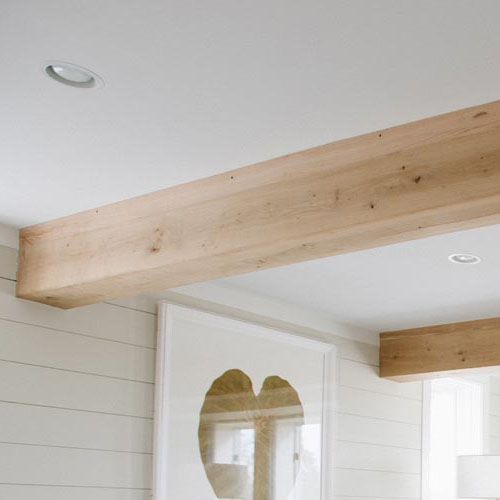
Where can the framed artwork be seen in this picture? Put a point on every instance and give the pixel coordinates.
(242, 411)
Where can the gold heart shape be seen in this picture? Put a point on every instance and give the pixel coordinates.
(248, 442)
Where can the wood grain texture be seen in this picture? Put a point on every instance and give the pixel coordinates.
(425, 178)
(424, 352)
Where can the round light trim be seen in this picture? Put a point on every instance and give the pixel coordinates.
(72, 75)
(464, 258)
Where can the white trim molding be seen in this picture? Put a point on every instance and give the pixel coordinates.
(239, 303)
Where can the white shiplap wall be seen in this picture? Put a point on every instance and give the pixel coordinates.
(379, 433)
(76, 400)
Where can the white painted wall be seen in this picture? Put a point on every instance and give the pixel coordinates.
(76, 405)
(494, 420)
(76, 399)
(9, 236)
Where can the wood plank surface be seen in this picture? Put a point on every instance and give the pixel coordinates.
(425, 178)
(421, 353)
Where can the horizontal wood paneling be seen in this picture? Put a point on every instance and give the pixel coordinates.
(49, 387)
(145, 303)
(100, 320)
(25, 464)
(378, 451)
(22, 423)
(74, 360)
(369, 404)
(36, 492)
(358, 351)
(8, 263)
(51, 348)
(361, 376)
(370, 484)
(376, 431)
(373, 457)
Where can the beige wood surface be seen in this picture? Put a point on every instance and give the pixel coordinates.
(436, 350)
(425, 178)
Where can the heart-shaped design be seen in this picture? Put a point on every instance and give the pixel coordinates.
(248, 443)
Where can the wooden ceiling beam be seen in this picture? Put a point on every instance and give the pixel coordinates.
(432, 351)
(425, 178)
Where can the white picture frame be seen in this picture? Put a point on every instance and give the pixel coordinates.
(172, 319)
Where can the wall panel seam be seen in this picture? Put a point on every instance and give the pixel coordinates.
(91, 374)
(82, 448)
(69, 332)
(378, 470)
(339, 412)
(76, 486)
(378, 445)
(76, 409)
(379, 392)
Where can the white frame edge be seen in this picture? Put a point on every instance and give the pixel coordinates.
(161, 412)
(330, 383)
(163, 353)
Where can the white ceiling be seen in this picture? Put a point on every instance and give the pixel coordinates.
(199, 87)
(399, 286)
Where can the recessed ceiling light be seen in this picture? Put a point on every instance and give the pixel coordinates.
(464, 258)
(73, 75)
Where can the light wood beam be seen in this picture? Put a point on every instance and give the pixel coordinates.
(432, 351)
(425, 178)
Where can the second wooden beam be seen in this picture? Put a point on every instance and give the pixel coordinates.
(433, 351)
